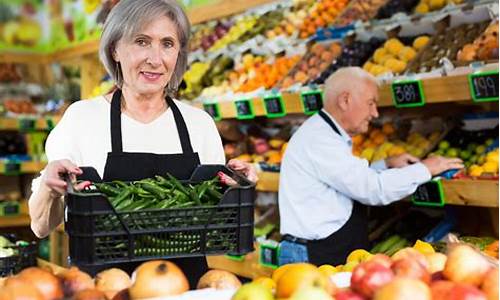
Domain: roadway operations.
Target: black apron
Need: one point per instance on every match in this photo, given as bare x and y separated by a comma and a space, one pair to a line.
127, 166
335, 248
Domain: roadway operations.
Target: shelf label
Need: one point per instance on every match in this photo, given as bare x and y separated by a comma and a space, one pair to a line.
268, 255
429, 194
408, 93
274, 106
213, 110
244, 109
236, 257
484, 86
12, 168
9, 208
27, 124
312, 101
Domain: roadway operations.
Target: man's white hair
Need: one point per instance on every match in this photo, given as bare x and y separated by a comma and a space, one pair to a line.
348, 79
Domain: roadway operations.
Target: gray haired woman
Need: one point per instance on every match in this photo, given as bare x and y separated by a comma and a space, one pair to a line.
138, 131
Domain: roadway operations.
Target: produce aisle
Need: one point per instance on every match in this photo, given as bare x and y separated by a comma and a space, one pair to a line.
258, 68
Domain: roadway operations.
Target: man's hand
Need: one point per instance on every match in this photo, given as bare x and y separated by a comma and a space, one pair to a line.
400, 161
244, 168
438, 164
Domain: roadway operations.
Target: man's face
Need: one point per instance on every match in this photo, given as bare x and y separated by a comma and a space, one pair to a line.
362, 108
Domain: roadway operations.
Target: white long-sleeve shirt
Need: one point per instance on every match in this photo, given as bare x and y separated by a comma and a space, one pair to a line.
83, 135
320, 177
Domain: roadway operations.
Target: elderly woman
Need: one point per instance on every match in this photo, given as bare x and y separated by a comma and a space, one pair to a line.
138, 131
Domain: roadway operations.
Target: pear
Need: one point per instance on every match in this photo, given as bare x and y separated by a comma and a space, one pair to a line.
253, 291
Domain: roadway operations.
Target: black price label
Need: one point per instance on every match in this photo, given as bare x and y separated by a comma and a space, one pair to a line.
274, 106
312, 101
26, 124
12, 168
213, 110
244, 109
407, 93
268, 255
429, 194
484, 86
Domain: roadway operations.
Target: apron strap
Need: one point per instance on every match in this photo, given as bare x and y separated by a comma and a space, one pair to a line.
116, 124
329, 121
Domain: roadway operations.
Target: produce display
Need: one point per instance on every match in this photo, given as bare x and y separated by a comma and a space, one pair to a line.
393, 7
359, 10
323, 14
394, 56
292, 19
318, 58
9, 73
425, 6
205, 35
484, 47
445, 44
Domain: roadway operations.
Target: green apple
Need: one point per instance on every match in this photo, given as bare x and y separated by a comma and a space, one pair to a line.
465, 154
443, 145
253, 291
452, 152
473, 159
311, 293
480, 149
489, 142
472, 147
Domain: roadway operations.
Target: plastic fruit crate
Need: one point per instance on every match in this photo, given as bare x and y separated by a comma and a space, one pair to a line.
100, 237
25, 257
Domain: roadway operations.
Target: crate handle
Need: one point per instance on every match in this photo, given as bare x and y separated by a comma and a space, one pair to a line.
70, 189
237, 176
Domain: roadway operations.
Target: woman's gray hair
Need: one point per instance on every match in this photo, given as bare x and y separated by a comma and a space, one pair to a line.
128, 18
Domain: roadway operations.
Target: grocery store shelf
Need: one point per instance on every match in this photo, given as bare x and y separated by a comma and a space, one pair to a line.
26, 167
471, 192
249, 267
436, 90
24, 58
41, 123
466, 192
23, 219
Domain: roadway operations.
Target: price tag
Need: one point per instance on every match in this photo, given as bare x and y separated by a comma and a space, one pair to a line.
236, 257
26, 125
484, 86
213, 110
408, 93
312, 101
12, 168
268, 255
244, 109
274, 106
429, 194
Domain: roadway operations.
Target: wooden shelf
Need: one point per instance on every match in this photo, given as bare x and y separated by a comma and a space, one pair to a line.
41, 123
437, 90
26, 167
15, 221
467, 192
249, 267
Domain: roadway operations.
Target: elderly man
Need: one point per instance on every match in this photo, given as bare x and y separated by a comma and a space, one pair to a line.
324, 188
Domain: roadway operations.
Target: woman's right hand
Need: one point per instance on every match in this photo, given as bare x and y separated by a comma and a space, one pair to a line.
53, 176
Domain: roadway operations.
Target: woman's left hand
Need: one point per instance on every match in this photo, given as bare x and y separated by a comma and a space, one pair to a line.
246, 169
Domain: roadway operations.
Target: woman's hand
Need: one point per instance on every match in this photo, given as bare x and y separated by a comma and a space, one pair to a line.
53, 180
241, 167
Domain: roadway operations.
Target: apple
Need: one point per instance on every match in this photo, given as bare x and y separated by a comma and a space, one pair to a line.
440, 289
490, 284
465, 265
253, 291
411, 253
348, 295
411, 268
311, 292
404, 289
436, 261
367, 277
381, 259
300, 276
462, 291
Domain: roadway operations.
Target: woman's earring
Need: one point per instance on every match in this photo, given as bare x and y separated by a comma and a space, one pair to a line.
117, 71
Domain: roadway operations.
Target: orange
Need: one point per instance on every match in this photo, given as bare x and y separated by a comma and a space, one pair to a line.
299, 276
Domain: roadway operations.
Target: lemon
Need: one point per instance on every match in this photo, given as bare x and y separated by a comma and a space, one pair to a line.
475, 171
358, 255
423, 247
490, 167
492, 157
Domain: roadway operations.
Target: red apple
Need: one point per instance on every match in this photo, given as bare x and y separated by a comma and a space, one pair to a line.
369, 276
381, 259
404, 289
465, 292
490, 284
466, 265
348, 295
441, 289
411, 268
411, 253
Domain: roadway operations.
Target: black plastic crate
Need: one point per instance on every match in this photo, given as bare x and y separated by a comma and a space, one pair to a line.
99, 236
25, 257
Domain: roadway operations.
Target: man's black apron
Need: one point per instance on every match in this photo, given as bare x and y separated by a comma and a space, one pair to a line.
127, 166
335, 248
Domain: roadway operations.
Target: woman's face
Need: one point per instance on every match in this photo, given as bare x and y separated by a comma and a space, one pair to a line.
148, 59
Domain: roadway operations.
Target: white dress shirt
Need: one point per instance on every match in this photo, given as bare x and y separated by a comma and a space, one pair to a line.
320, 177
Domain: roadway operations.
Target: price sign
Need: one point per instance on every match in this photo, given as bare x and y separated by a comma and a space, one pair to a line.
26, 125
312, 101
244, 109
268, 255
213, 110
407, 93
12, 168
484, 86
429, 194
274, 106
